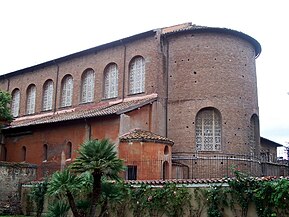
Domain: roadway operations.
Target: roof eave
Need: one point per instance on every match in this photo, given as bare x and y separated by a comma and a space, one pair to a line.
251, 40
81, 53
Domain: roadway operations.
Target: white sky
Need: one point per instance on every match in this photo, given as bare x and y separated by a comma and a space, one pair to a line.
36, 31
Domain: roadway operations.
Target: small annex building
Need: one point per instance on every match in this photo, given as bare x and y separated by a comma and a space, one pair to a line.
178, 102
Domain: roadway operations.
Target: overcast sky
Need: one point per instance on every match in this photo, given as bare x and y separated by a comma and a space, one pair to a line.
36, 31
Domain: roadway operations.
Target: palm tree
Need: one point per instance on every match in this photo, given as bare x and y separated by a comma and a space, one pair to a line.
99, 158
66, 184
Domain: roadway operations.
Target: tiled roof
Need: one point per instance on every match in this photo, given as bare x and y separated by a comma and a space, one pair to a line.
144, 136
88, 111
199, 181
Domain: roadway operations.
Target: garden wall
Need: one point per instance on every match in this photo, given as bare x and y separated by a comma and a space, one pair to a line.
198, 201
12, 175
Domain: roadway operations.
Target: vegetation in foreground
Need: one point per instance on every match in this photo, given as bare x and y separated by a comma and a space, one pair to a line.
90, 186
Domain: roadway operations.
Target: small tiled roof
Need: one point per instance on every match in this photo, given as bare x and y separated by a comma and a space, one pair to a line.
144, 136
89, 111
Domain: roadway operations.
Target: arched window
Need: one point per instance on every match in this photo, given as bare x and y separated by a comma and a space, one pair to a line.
31, 97
23, 153
254, 134
45, 152
208, 130
165, 170
87, 86
5, 154
66, 91
137, 75
15, 103
47, 95
111, 81
68, 151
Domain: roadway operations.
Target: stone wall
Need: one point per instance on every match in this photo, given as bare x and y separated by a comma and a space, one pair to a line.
12, 175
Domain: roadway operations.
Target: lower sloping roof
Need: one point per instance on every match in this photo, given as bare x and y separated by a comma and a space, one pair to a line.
81, 112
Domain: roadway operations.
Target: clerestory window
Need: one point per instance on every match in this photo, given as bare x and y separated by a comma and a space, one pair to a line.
87, 86
111, 81
66, 91
31, 97
15, 104
47, 95
137, 75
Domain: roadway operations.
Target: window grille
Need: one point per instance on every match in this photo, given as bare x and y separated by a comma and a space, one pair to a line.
15, 103
254, 129
87, 86
47, 95
31, 94
67, 89
208, 130
137, 76
111, 81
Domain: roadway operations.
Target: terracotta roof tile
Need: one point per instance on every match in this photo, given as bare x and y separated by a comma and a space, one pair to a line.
199, 181
95, 110
144, 136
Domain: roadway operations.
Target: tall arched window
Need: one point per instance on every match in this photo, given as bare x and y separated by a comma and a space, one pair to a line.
110, 81
208, 130
45, 152
66, 91
23, 153
47, 95
31, 97
87, 86
137, 75
254, 134
15, 103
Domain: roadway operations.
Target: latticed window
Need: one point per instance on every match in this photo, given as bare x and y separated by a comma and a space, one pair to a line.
87, 86
208, 130
111, 81
47, 95
137, 75
15, 103
31, 97
254, 133
66, 92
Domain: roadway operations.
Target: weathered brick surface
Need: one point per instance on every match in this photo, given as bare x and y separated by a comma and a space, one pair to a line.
211, 70
188, 71
11, 177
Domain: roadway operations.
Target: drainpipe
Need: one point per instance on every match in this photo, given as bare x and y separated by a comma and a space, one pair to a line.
165, 45
8, 84
56, 85
124, 63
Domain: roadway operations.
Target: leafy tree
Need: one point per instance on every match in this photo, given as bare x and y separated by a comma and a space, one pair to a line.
5, 99
99, 158
66, 184
37, 194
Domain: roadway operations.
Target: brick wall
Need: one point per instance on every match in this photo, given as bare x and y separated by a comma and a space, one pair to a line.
211, 70
11, 177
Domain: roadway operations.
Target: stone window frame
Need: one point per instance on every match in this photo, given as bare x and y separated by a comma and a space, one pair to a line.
66, 91
15, 102
87, 86
208, 130
47, 96
31, 99
137, 74
110, 81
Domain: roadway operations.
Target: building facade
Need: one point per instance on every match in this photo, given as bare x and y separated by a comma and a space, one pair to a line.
190, 90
